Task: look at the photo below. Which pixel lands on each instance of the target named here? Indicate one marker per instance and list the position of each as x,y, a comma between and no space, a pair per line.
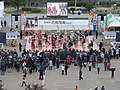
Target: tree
17,3
89,6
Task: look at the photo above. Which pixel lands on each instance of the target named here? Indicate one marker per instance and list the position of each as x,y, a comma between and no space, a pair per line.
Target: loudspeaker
117,36
16,18
102,18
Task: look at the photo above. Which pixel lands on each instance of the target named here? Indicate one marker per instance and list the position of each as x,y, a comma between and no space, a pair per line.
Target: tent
110,17
115,23
112,21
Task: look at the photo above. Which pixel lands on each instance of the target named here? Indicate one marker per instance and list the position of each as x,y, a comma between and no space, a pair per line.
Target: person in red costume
46,38
33,44
68,59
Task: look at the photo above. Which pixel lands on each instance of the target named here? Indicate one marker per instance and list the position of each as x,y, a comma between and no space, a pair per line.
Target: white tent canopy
115,23
112,21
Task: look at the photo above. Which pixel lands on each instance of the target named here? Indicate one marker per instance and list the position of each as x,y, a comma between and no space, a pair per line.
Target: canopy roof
112,21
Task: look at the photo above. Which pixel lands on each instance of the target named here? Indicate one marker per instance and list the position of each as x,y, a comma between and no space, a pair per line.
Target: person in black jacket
66,68
80,74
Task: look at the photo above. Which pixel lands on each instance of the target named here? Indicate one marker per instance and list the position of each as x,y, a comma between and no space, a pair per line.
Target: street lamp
75,4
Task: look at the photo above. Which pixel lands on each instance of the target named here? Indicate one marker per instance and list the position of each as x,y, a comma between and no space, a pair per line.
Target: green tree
89,6
17,3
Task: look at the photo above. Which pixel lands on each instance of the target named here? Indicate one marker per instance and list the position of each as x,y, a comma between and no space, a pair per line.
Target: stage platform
46,46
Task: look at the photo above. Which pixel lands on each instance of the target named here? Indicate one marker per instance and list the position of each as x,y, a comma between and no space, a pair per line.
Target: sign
12,35
63,22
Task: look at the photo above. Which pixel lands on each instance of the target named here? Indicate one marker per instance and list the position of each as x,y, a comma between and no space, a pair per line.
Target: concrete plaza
55,81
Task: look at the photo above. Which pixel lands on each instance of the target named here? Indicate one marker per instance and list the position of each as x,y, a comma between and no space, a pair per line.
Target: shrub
71,3
26,9
80,3
89,6
35,10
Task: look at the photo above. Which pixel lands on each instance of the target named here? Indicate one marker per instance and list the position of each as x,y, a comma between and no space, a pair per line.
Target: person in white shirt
63,69
50,65
117,53
90,65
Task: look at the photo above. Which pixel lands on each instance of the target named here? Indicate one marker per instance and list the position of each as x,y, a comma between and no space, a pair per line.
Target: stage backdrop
57,9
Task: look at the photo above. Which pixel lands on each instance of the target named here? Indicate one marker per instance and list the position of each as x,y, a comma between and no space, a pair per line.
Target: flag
24,23
91,13
94,26
24,13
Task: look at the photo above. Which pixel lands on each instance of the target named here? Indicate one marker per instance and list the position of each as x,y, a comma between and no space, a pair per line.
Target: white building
1,11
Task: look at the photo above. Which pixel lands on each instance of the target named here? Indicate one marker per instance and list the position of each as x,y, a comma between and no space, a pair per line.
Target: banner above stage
63,22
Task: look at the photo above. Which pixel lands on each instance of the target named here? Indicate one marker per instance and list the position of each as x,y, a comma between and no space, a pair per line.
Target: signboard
12,35
63,22
57,9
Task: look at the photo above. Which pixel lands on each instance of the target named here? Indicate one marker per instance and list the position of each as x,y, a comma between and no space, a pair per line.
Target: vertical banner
94,26
24,22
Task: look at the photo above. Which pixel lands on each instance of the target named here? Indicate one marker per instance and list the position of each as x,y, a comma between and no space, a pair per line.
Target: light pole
75,4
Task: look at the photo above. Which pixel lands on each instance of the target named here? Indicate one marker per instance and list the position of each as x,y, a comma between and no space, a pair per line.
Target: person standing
23,81
20,47
80,74
57,63
90,65
100,46
96,88
96,34
50,65
5,23
117,53
105,65
112,72
62,68
66,68
98,67
108,65
2,23
102,88
41,71
21,34
76,88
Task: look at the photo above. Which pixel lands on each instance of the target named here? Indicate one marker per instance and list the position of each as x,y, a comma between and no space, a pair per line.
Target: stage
47,46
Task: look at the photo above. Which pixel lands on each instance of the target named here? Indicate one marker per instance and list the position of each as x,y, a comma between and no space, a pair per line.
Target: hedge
79,3
35,10
26,9
71,3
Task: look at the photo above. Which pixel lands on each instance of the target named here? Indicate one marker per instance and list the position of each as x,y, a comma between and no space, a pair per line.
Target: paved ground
56,81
